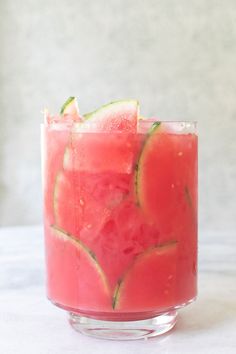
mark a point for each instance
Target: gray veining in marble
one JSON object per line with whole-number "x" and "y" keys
{"x": 30, "y": 324}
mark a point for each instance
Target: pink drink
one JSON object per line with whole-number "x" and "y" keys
{"x": 121, "y": 219}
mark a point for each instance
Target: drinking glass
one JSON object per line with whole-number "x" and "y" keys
{"x": 120, "y": 220}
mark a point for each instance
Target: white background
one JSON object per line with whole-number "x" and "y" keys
{"x": 177, "y": 57}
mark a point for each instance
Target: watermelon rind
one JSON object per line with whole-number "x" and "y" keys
{"x": 153, "y": 130}
{"x": 70, "y": 106}
{"x": 158, "y": 249}
{"x": 112, "y": 108}
{"x": 66, "y": 236}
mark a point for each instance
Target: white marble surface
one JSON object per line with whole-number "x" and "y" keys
{"x": 30, "y": 324}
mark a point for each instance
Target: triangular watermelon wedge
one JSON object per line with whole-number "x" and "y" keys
{"x": 150, "y": 282}
{"x": 70, "y": 107}
{"x": 116, "y": 116}
{"x": 75, "y": 278}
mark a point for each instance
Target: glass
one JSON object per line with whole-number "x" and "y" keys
{"x": 120, "y": 218}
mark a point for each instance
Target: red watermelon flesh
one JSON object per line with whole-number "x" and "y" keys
{"x": 66, "y": 200}
{"x": 54, "y": 144}
{"x": 83, "y": 202}
{"x": 119, "y": 116}
{"x": 101, "y": 152}
{"x": 93, "y": 198}
{"x": 75, "y": 278}
{"x": 150, "y": 282}
{"x": 124, "y": 235}
{"x": 167, "y": 182}
{"x": 166, "y": 185}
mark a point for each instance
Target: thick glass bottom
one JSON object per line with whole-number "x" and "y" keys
{"x": 124, "y": 330}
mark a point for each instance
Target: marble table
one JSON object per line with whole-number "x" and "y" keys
{"x": 30, "y": 324}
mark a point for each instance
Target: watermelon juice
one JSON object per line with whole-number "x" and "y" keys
{"x": 120, "y": 215}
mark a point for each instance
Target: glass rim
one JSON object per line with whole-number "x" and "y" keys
{"x": 143, "y": 127}
{"x": 142, "y": 121}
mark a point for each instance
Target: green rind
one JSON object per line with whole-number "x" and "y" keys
{"x": 66, "y": 236}
{"x": 116, "y": 293}
{"x": 120, "y": 284}
{"x": 188, "y": 196}
{"x": 153, "y": 130}
{"x": 109, "y": 107}
{"x": 94, "y": 118}
{"x": 154, "y": 127}
{"x": 67, "y": 104}
{"x": 78, "y": 243}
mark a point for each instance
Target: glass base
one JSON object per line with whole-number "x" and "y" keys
{"x": 124, "y": 330}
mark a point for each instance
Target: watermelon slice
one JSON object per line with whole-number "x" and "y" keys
{"x": 54, "y": 150}
{"x": 101, "y": 152}
{"x": 66, "y": 202}
{"x": 119, "y": 116}
{"x": 166, "y": 180}
{"x": 70, "y": 107}
{"x": 108, "y": 150}
{"x": 150, "y": 282}
{"x": 69, "y": 113}
{"x": 79, "y": 198}
{"x": 124, "y": 235}
{"x": 76, "y": 279}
